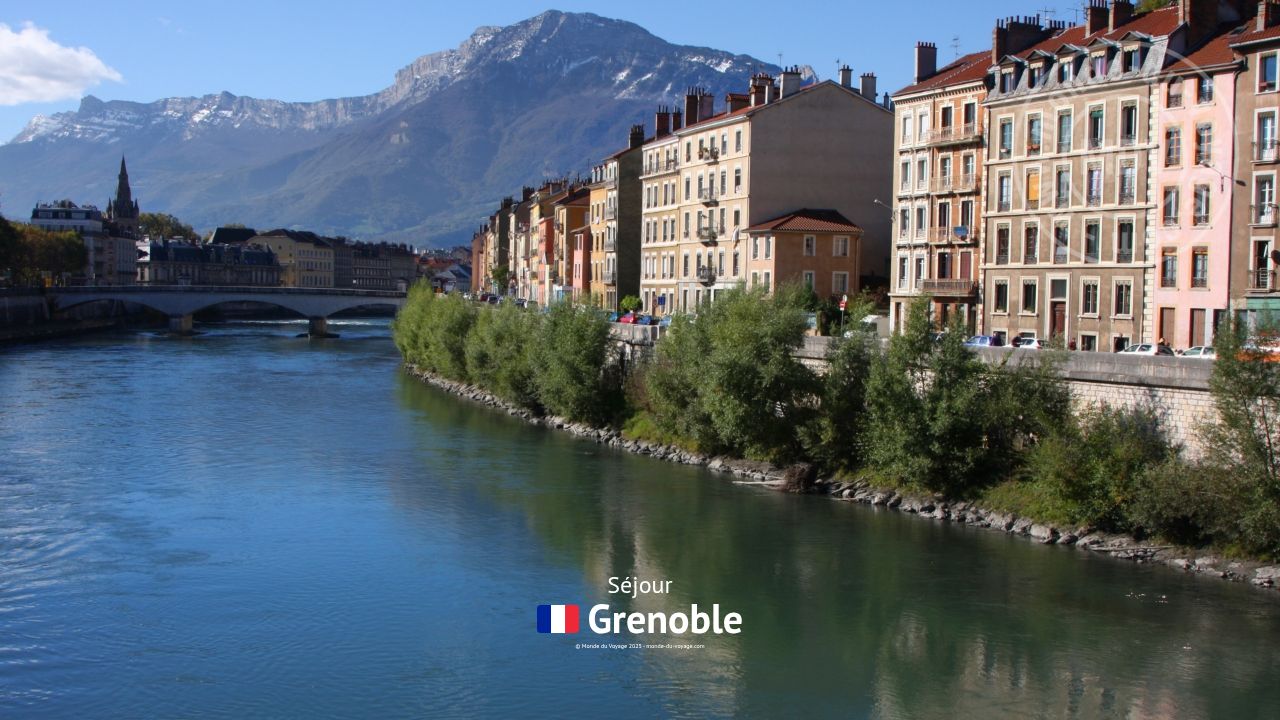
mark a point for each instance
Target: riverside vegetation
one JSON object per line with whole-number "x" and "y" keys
{"x": 924, "y": 415}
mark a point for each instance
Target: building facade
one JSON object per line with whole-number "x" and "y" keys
{"x": 183, "y": 263}
{"x": 938, "y": 139}
{"x": 817, "y": 248}
{"x": 306, "y": 260}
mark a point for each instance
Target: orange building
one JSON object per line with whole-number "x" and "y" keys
{"x": 820, "y": 248}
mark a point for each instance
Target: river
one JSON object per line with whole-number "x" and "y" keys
{"x": 249, "y": 524}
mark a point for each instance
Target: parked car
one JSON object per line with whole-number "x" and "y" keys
{"x": 645, "y": 320}
{"x": 1204, "y": 352}
{"x": 1028, "y": 343}
{"x": 664, "y": 321}
{"x": 628, "y": 319}
{"x": 984, "y": 341}
{"x": 1147, "y": 349}
{"x": 495, "y": 299}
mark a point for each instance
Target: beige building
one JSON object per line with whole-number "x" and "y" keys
{"x": 593, "y": 255}
{"x": 776, "y": 149}
{"x": 306, "y": 261}
{"x": 1255, "y": 251}
{"x": 937, "y": 179}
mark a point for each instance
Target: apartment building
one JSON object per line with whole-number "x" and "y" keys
{"x": 305, "y": 259}
{"x": 595, "y": 235}
{"x": 622, "y": 221}
{"x": 570, "y": 210}
{"x": 937, "y": 179}
{"x": 1255, "y": 249}
{"x": 1071, "y": 145}
{"x": 659, "y": 239}
{"x": 1192, "y": 230}
{"x": 774, "y": 150}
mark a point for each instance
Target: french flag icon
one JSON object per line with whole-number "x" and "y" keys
{"x": 558, "y": 619}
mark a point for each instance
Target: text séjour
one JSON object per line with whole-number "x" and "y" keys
{"x": 635, "y": 586}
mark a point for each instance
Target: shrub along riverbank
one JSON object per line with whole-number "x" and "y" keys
{"x": 922, "y": 416}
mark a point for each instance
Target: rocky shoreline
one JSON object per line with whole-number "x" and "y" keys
{"x": 801, "y": 478}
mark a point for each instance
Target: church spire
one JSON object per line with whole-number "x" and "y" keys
{"x": 123, "y": 209}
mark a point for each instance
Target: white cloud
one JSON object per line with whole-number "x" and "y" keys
{"x": 34, "y": 68}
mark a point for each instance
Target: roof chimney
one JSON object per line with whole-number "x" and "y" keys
{"x": 662, "y": 122}
{"x": 1015, "y": 34}
{"x": 846, "y": 76}
{"x": 1200, "y": 17}
{"x": 790, "y": 81}
{"x": 636, "y": 139}
{"x": 868, "y": 89}
{"x": 759, "y": 82}
{"x": 736, "y": 101}
{"x": 926, "y": 60}
{"x": 1268, "y": 15}
{"x": 770, "y": 92}
{"x": 1096, "y": 17}
{"x": 692, "y": 104}
{"x": 677, "y": 120}
{"x": 1121, "y": 13}
{"x": 706, "y": 104}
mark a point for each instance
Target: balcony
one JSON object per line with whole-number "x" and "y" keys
{"x": 710, "y": 154}
{"x": 609, "y": 277}
{"x": 954, "y": 135}
{"x": 610, "y": 245}
{"x": 1265, "y": 152}
{"x": 1128, "y": 140}
{"x": 709, "y": 233}
{"x": 610, "y": 212}
{"x": 1064, "y": 146}
{"x": 1002, "y": 258}
{"x": 1062, "y": 201}
{"x": 1174, "y": 101}
{"x": 1263, "y": 215}
{"x": 1094, "y": 201}
{"x": 1261, "y": 280}
{"x": 954, "y": 183}
{"x": 706, "y": 274}
{"x": 1061, "y": 256}
{"x": 1032, "y": 203}
{"x": 1006, "y": 153}
{"x": 1199, "y": 282}
{"x": 950, "y": 288}
{"x": 1033, "y": 149}
{"x": 708, "y": 196}
{"x": 1124, "y": 256}
{"x": 947, "y": 235}
{"x": 1004, "y": 206}
{"x": 1095, "y": 143}
{"x": 1127, "y": 197}
{"x": 1200, "y": 220}
{"x": 1030, "y": 256}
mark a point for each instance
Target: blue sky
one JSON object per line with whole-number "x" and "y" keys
{"x": 51, "y": 54}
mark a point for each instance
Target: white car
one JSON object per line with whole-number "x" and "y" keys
{"x": 1147, "y": 349}
{"x": 1204, "y": 352}
{"x": 1029, "y": 343}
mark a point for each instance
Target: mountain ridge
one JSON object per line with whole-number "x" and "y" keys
{"x": 420, "y": 160}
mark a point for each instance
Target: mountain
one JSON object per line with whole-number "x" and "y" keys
{"x": 421, "y": 161}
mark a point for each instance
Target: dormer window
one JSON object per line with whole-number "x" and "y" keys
{"x": 1099, "y": 65}
{"x": 1033, "y": 75}
{"x": 1006, "y": 81}
{"x": 1133, "y": 60}
{"x": 1064, "y": 71}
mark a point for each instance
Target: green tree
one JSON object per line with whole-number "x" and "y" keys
{"x": 630, "y": 303}
{"x": 837, "y": 436}
{"x": 499, "y": 353}
{"x": 447, "y": 320}
{"x": 570, "y": 356}
{"x": 501, "y": 276}
{"x": 163, "y": 225}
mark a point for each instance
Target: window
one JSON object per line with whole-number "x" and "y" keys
{"x": 1173, "y": 94}
{"x": 1006, "y": 138}
{"x": 1124, "y": 241}
{"x": 1265, "y": 137}
{"x": 1099, "y": 65}
{"x": 970, "y": 115}
{"x": 1132, "y": 60}
{"x": 737, "y": 180}
{"x": 1204, "y": 144}
{"x": 840, "y": 247}
{"x": 839, "y": 283}
{"x": 1097, "y": 127}
{"x": 1170, "y": 206}
{"x": 919, "y": 270}
{"x": 1128, "y": 182}
{"x": 905, "y": 175}
{"x": 1202, "y": 205}
{"x": 1064, "y": 72}
{"x": 945, "y": 117}
{"x": 1033, "y": 135}
{"x": 1006, "y": 81}
{"x": 1265, "y": 200}
{"x": 1092, "y": 240}
{"x": 902, "y": 272}
{"x": 686, "y": 264}
{"x": 737, "y": 141}
{"x": 809, "y": 279}
{"x": 1033, "y": 189}
{"x": 1063, "y": 188}
{"x": 686, "y": 187}
{"x": 735, "y": 263}
{"x": 1001, "y": 296}
{"x": 922, "y": 173}
{"x": 1061, "y": 243}
{"x": 1267, "y": 72}
{"x": 1089, "y": 297}
{"x": 1204, "y": 89}
{"x": 768, "y": 247}
{"x": 737, "y": 217}
{"x": 966, "y": 214}
{"x": 1168, "y": 268}
{"x": 1124, "y": 298}
{"x": 1031, "y": 244}
{"x": 944, "y": 266}
{"x": 1128, "y": 124}
{"x": 1093, "y": 186}
{"x": 1200, "y": 268}
{"x": 1064, "y": 132}
{"x": 922, "y": 221}
{"x": 1172, "y": 147}
{"x": 906, "y": 130}
{"x": 1004, "y": 195}
{"x": 904, "y": 222}
{"x": 1088, "y": 342}
{"x": 810, "y": 246}
{"x": 1029, "y": 299}
{"x": 1002, "y": 245}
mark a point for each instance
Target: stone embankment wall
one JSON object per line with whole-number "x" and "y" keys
{"x": 1176, "y": 388}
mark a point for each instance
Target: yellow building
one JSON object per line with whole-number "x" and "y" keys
{"x": 305, "y": 259}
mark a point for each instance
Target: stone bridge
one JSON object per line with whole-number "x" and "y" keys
{"x": 180, "y": 302}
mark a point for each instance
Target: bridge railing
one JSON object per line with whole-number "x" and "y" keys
{"x": 225, "y": 289}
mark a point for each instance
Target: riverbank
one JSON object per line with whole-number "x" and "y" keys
{"x": 55, "y": 329}
{"x": 1188, "y": 560}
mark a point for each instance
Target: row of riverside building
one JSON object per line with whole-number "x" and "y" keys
{"x": 777, "y": 183}
{"x": 1105, "y": 183}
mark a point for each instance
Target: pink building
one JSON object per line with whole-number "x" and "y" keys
{"x": 580, "y": 239}
{"x": 1193, "y": 191}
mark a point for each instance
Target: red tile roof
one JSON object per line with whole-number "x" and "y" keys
{"x": 1156, "y": 23}
{"x": 1271, "y": 33}
{"x": 807, "y": 220}
{"x": 967, "y": 69}
{"x": 1212, "y": 54}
